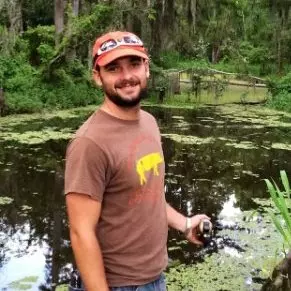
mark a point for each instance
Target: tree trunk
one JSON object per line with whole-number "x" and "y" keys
{"x": 14, "y": 9}
{"x": 71, "y": 53}
{"x": 76, "y": 5}
{"x": 193, "y": 11}
{"x": 2, "y": 102}
{"x": 156, "y": 27}
{"x": 168, "y": 26}
{"x": 215, "y": 53}
{"x": 281, "y": 276}
{"x": 59, "y": 19}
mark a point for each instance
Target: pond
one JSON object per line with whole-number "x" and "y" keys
{"x": 216, "y": 158}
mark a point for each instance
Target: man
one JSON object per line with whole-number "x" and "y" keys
{"x": 114, "y": 180}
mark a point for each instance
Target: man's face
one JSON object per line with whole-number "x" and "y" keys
{"x": 124, "y": 80}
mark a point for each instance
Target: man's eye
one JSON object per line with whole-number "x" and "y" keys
{"x": 112, "y": 69}
{"x": 136, "y": 64}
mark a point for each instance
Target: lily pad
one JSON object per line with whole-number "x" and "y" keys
{"x": 23, "y": 284}
{"x": 6, "y": 200}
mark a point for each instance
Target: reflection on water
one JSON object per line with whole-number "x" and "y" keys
{"x": 29, "y": 265}
{"x": 209, "y": 173}
{"x": 229, "y": 215}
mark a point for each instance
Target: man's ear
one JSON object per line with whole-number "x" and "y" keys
{"x": 147, "y": 68}
{"x": 96, "y": 78}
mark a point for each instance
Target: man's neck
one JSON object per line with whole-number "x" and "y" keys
{"x": 126, "y": 113}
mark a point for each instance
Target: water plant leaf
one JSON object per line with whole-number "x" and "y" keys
{"x": 285, "y": 235}
{"x": 285, "y": 182}
{"x": 283, "y": 207}
{"x": 280, "y": 202}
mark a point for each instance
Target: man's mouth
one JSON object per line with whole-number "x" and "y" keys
{"x": 126, "y": 84}
{"x": 131, "y": 85}
{"x": 127, "y": 89}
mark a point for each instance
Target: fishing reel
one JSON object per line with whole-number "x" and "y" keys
{"x": 205, "y": 231}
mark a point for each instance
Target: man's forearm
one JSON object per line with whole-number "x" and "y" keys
{"x": 89, "y": 260}
{"x": 175, "y": 219}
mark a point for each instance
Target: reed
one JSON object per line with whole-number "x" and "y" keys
{"x": 282, "y": 201}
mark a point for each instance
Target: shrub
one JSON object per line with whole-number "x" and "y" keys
{"x": 23, "y": 102}
{"x": 41, "y": 43}
{"x": 280, "y": 89}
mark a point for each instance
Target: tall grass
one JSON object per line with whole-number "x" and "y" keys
{"x": 282, "y": 202}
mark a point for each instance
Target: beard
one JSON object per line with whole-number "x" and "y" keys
{"x": 127, "y": 103}
{"x": 119, "y": 100}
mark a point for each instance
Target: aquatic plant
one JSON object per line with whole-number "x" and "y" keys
{"x": 282, "y": 202}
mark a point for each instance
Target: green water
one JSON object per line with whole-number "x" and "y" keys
{"x": 232, "y": 94}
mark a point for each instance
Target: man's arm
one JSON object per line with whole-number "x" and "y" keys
{"x": 84, "y": 213}
{"x": 178, "y": 221}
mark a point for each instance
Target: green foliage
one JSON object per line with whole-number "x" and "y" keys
{"x": 175, "y": 60}
{"x": 6, "y": 41}
{"x": 23, "y": 103}
{"x": 280, "y": 89}
{"x": 249, "y": 56}
{"x": 282, "y": 201}
{"x": 40, "y": 44}
{"x": 45, "y": 52}
{"x": 241, "y": 36}
{"x": 278, "y": 85}
{"x": 37, "y": 12}
{"x": 37, "y": 75}
{"x": 281, "y": 101}
{"x": 26, "y": 91}
{"x": 169, "y": 59}
{"x": 85, "y": 28}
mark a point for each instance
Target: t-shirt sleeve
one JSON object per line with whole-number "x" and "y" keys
{"x": 85, "y": 171}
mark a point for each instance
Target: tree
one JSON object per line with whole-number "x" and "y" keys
{"x": 76, "y": 4}
{"x": 14, "y": 9}
{"x": 59, "y": 19}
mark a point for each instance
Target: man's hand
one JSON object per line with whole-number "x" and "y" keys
{"x": 192, "y": 233}
{"x": 178, "y": 221}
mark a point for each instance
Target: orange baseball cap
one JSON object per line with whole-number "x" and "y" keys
{"x": 116, "y": 44}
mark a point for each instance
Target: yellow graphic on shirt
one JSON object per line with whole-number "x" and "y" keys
{"x": 148, "y": 163}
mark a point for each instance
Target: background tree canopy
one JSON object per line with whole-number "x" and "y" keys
{"x": 45, "y": 46}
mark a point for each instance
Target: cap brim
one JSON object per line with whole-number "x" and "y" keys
{"x": 118, "y": 53}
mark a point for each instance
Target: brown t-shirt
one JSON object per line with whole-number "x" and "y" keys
{"x": 120, "y": 163}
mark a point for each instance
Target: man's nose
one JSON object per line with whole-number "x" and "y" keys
{"x": 126, "y": 73}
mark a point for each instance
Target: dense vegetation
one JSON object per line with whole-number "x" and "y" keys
{"x": 45, "y": 46}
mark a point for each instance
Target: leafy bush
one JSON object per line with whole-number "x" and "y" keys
{"x": 23, "y": 102}
{"x": 169, "y": 59}
{"x": 40, "y": 43}
{"x": 280, "y": 89}
{"x": 279, "y": 85}
{"x": 26, "y": 91}
{"x": 79, "y": 94}
{"x": 281, "y": 101}
{"x": 45, "y": 52}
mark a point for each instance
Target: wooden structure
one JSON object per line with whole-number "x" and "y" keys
{"x": 203, "y": 78}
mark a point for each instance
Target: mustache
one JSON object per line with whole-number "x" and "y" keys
{"x": 127, "y": 82}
